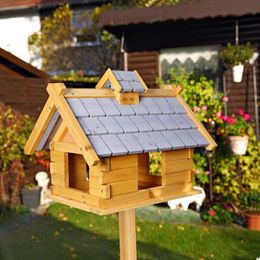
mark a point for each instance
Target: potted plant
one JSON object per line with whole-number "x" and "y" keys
{"x": 235, "y": 128}
{"x": 235, "y": 56}
{"x": 250, "y": 204}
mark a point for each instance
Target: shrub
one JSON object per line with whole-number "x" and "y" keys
{"x": 14, "y": 132}
{"x": 217, "y": 214}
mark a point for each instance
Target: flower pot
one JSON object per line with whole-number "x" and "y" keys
{"x": 238, "y": 144}
{"x": 237, "y": 73}
{"x": 31, "y": 197}
{"x": 253, "y": 220}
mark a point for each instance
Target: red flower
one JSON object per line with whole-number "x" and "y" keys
{"x": 241, "y": 111}
{"x": 212, "y": 212}
{"x": 246, "y": 116}
{"x": 231, "y": 120}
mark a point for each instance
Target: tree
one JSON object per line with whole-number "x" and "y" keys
{"x": 55, "y": 42}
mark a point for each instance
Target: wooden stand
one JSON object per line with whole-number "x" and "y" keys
{"x": 127, "y": 235}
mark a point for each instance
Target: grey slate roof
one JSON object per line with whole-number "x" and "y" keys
{"x": 128, "y": 81}
{"x": 155, "y": 124}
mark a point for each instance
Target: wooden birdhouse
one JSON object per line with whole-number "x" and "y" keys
{"x": 100, "y": 140}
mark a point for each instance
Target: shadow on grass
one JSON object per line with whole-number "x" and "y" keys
{"x": 47, "y": 238}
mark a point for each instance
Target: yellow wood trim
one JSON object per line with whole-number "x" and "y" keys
{"x": 99, "y": 190}
{"x": 127, "y": 98}
{"x": 103, "y": 79}
{"x": 114, "y": 82}
{"x": 141, "y": 80}
{"x": 109, "y": 93}
{"x": 75, "y": 195}
{"x": 121, "y": 202}
{"x": 40, "y": 126}
{"x": 158, "y": 93}
{"x": 212, "y": 144}
{"x": 72, "y": 124}
{"x": 88, "y": 93}
{"x": 66, "y": 147}
{"x": 176, "y": 89}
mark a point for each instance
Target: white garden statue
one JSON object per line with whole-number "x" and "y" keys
{"x": 43, "y": 182}
{"x": 186, "y": 201}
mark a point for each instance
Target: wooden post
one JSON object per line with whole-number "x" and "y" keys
{"x": 127, "y": 235}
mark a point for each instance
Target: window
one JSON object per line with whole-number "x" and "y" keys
{"x": 201, "y": 59}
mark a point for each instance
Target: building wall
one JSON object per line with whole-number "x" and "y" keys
{"x": 27, "y": 95}
{"x": 15, "y": 31}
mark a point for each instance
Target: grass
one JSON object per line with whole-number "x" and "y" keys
{"x": 67, "y": 233}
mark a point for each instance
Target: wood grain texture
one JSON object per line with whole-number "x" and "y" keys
{"x": 40, "y": 126}
{"x": 89, "y": 93}
{"x": 127, "y": 233}
{"x": 127, "y": 98}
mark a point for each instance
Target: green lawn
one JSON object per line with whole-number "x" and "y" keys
{"x": 67, "y": 233}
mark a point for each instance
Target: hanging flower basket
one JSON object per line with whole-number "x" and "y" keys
{"x": 237, "y": 73}
{"x": 235, "y": 56}
{"x": 238, "y": 144}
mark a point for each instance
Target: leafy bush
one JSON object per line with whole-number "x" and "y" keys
{"x": 217, "y": 214}
{"x": 15, "y": 129}
{"x": 250, "y": 201}
{"x": 236, "y": 54}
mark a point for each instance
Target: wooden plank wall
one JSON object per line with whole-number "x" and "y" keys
{"x": 27, "y": 95}
{"x": 147, "y": 65}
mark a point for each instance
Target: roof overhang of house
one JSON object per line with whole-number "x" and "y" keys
{"x": 24, "y": 66}
{"x": 182, "y": 11}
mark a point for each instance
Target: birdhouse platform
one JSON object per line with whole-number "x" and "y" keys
{"x": 100, "y": 140}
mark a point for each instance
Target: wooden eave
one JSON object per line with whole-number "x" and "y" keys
{"x": 56, "y": 101}
{"x": 24, "y": 65}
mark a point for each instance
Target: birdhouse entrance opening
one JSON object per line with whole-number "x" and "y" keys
{"x": 147, "y": 178}
{"x": 78, "y": 172}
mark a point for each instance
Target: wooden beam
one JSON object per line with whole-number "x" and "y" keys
{"x": 212, "y": 144}
{"x": 88, "y": 93}
{"x": 40, "y": 126}
{"x": 55, "y": 91}
{"x": 127, "y": 232}
{"x": 66, "y": 147}
{"x": 158, "y": 93}
{"x": 103, "y": 79}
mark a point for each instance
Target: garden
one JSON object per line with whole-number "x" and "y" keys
{"x": 229, "y": 175}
